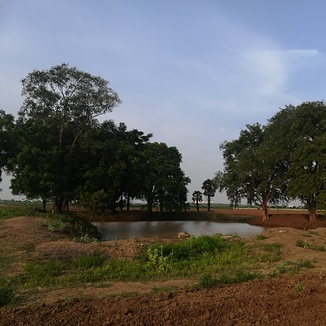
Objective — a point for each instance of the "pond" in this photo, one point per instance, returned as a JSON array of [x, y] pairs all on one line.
[[170, 229]]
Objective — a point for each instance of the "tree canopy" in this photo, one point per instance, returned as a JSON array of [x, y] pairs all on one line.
[[64, 153]]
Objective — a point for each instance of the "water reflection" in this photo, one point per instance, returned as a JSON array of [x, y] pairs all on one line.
[[170, 229]]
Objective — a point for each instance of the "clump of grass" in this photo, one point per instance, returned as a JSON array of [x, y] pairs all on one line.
[[240, 276], [42, 273], [266, 252], [86, 261], [299, 286], [292, 267], [302, 244], [261, 237]]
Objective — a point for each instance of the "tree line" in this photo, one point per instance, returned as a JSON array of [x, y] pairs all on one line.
[[56, 149], [281, 161]]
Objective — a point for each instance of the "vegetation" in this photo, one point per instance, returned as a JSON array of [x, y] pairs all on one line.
[[58, 151], [282, 161]]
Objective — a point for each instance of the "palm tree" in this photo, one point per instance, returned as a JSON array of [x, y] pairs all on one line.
[[197, 198], [209, 191]]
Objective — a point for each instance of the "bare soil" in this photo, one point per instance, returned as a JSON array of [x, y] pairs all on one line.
[[298, 299]]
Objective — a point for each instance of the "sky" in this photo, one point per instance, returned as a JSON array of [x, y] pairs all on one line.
[[191, 72]]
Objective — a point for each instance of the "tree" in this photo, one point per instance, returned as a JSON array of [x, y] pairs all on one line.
[[209, 191], [164, 181], [7, 142], [60, 105], [252, 169], [113, 164], [197, 198], [301, 132]]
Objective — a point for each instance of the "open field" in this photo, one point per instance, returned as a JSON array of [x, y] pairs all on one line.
[[290, 288]]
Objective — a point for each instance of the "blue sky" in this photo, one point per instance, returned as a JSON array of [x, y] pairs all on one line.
[[193, 73]]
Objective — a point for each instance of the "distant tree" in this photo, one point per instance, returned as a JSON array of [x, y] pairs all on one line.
[[252, 169], [209, 191], [164, 181], [60, 105], [197, 198], [7, 139]]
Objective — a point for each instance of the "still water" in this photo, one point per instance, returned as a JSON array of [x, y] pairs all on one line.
[[170, 229]]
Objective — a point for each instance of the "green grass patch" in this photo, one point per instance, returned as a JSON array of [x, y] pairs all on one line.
[[292, 267]]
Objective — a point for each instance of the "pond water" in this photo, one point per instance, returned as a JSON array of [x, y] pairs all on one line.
[[170, 229]]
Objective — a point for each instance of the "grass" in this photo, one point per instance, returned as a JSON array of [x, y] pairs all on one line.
[[304, 244]]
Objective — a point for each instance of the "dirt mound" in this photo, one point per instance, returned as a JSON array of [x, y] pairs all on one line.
[[298, 221], [287, 301]]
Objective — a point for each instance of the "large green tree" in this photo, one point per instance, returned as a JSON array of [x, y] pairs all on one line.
[[60, 105], [113, 166], [300, 134], [164, 181], [252, 170]]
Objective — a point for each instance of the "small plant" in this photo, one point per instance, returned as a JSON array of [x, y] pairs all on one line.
[[55, 225], [85, 239], [157, 260], [302, 244], [299, 286], [207, 281]]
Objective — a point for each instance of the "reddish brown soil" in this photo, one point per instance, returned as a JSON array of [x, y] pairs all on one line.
[[298, 299]]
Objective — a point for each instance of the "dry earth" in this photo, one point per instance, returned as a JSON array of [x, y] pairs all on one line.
[[271, 301]]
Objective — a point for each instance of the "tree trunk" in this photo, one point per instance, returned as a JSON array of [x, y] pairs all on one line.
[[208, 203], [197, 205], [311, 205], [149, 203], [44, 204], [264, 207], [128, 202]]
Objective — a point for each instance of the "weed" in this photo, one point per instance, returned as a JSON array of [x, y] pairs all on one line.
[[299, 286], [261, 237], [302, 244], [157, 260]]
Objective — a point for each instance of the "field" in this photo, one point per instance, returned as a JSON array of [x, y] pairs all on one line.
[[284, 284]]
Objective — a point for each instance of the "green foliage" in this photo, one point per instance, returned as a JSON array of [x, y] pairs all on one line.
[[42, 273], [292, 267], [304, 244], [86, 261], [193, 247], [157, 260], [240, 276], [85, 239]]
